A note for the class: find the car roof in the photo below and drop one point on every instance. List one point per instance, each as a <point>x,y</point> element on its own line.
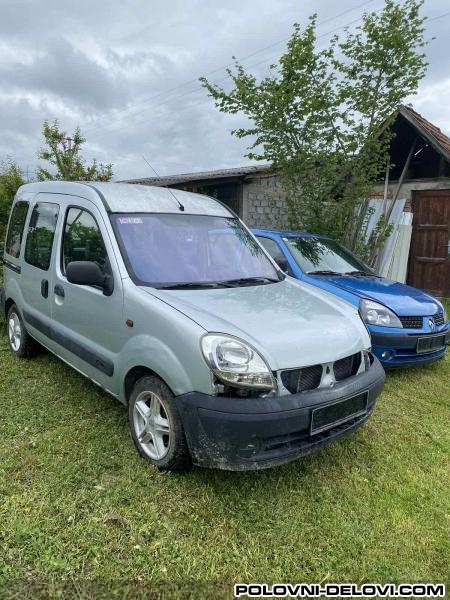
<point>133,198</point>
<point>287,233</point>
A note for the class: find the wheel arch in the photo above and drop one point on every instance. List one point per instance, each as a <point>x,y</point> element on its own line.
<point>133,375</point>
<point>11,293</point>
<point>8,303</point>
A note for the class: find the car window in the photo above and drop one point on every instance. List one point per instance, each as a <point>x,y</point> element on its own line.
<point>41,231</point>
<point>82,239</point>
<point>163,249</point>
<point>323,255</point>
<point>272,247</point>
<point>276,253</point>
<point>15,230</point>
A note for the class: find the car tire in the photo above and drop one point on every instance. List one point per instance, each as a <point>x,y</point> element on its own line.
<point>20,342</point>
<point>156,426</point>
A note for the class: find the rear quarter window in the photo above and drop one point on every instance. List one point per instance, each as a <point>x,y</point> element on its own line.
<point>15,230</point>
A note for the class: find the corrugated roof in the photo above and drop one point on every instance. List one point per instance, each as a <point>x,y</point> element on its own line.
<point>436,138</point>
<point>199,176</point>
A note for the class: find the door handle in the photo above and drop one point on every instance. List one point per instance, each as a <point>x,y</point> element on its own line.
<point>59,290</point>
<point>44,288</point>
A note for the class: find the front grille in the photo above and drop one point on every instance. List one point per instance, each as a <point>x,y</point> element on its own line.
<point>439,319</point>
<point>300,380</point>
<point>309,378</point>
<point>346,367</point>
<point>412,322</point>
<point>417,322</point>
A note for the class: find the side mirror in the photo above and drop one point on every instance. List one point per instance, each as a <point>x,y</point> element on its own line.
<point>85,272</point>
<point>282,263</point>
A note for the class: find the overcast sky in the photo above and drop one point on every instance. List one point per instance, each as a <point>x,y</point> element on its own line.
<point>127,72</point>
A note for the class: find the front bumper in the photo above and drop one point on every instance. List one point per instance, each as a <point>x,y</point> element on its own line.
<point>241,434</point>
<point>401,347</point>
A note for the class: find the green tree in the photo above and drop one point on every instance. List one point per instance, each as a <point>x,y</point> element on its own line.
<point>11,178</point>
<point>64,155</point>
<point>322,117</point>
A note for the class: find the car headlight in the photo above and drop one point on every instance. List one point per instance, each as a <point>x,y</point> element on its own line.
<point>374,313</point>
<point>236,363</point>
<point>444,311</point>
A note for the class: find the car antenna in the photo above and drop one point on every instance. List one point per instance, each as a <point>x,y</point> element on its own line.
<point>180,206</point>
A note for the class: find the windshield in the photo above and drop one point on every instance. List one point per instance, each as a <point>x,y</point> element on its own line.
<point>323,256</point>
<point>174,250</point>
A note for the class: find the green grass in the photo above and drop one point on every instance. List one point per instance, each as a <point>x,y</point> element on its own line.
<point>82,516</point>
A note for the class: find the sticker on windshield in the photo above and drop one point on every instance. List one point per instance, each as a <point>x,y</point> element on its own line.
<point>130,220</point>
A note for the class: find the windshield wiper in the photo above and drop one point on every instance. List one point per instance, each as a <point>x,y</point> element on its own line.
<point>324,273</point>
<point>229,283</point>
<point>250,280</point>
<point>362,273</point>
<point>192,285</point>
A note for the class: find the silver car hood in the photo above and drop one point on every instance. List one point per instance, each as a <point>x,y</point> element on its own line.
<point>290,323</point>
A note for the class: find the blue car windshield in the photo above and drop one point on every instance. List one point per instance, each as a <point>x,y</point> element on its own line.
<point>176,250</point>
<point>317,256</point>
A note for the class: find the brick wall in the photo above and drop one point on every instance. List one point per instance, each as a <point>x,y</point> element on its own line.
<point>263,202</point>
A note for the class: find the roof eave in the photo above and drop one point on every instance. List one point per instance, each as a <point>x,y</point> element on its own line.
<point>424,133</point>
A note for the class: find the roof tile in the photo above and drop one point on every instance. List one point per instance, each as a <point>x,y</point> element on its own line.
<point>441,141</point>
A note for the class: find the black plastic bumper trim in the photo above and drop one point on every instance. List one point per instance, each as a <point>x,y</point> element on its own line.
<point>3,301</point>
<point>37,323</point>
<point>93,358</point>
<point>12,266</point>
<point>256,433</point>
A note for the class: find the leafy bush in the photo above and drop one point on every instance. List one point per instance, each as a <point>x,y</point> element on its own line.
<point>11,178</point>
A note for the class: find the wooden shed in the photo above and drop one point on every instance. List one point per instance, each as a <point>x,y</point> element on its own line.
<point>420,153</point>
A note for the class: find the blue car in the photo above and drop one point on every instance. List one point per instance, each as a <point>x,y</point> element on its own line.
<point>408,327</point>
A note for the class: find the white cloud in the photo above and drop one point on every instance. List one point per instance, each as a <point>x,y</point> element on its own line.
<point>109,67</point>
<point>433,101</point>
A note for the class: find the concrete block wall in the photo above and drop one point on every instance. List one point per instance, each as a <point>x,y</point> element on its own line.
<point>263,202</point>
<point>264,205</point>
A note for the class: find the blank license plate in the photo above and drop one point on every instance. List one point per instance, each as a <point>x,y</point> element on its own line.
<point>430,343</point>
<point>329,416</point>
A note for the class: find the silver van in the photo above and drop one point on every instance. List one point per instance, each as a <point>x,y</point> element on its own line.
<point>166,300</point>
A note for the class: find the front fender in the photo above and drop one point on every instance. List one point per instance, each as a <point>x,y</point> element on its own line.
<point>182,371</point>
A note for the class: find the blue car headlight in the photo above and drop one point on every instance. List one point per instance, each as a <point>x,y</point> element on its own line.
<point>374,313</point>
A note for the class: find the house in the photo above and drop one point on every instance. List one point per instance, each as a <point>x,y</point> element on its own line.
<point>420,173</point>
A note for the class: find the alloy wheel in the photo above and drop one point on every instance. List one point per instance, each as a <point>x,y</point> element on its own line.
<point>14,331</point>
<point>152,425</point>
